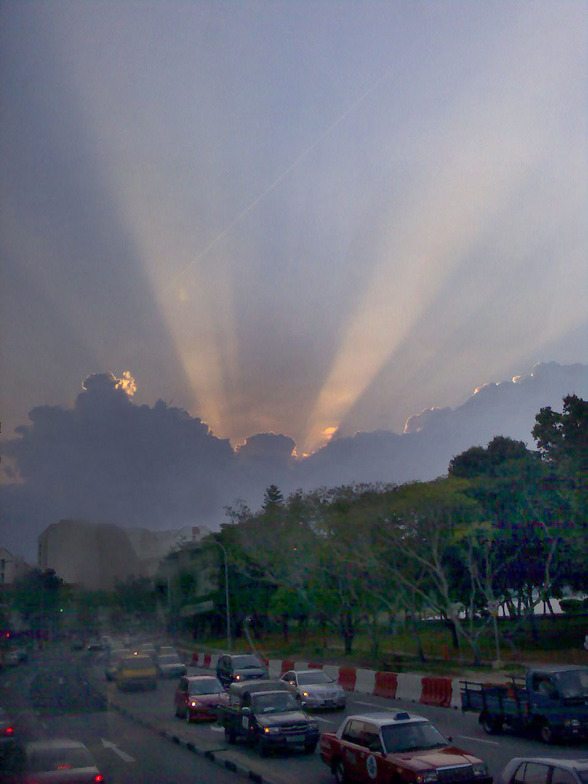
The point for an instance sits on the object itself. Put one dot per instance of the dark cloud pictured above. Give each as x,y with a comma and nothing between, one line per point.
158,467
267,446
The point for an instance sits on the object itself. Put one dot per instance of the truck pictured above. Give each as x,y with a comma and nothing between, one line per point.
266,714
550,701
396,747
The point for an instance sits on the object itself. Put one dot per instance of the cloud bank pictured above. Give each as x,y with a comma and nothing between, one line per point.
108,459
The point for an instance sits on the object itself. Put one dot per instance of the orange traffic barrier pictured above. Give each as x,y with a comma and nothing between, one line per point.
287,664
206,662
195,659
436,691
386,685
314,666
347,678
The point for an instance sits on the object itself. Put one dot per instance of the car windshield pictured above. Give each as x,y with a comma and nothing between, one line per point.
272,702
308,678
573,683
59,759
246,662
211,686
411,737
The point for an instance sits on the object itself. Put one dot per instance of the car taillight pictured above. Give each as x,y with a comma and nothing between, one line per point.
98,779
9,731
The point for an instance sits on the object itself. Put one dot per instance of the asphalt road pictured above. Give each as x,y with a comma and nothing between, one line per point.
51,696
65,693
463,728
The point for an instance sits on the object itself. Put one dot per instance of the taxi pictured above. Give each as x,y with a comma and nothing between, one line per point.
136,671
397,746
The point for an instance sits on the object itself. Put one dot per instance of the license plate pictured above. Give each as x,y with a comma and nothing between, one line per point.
296,739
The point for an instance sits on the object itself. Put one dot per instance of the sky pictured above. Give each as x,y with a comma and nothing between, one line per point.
308,219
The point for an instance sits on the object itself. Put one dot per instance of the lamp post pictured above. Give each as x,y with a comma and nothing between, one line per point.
227,608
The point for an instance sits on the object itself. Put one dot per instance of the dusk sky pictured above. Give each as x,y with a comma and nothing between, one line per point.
291,217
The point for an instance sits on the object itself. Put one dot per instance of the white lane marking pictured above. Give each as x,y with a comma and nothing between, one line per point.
479,740
108,744
216,728
326,721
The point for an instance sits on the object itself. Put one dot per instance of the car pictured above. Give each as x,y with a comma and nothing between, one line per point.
6,728
167,649
137,671
239,667
199,697
147,648
316,689
389,746
267,714
545,770
59,761
169,665
114,657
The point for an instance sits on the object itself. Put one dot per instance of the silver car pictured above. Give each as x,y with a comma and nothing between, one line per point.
169,665
545,770
59,761
315,689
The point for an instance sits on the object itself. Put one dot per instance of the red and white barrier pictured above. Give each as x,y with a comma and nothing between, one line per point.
426,690
436,691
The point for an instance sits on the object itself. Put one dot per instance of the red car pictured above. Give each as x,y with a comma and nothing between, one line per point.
198,698
376,748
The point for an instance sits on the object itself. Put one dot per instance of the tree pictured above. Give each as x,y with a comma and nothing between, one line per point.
37,596
272,498
562,439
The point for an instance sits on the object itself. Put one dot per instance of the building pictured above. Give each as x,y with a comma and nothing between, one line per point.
11,567
98,555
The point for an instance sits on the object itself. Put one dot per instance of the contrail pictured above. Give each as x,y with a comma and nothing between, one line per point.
278,179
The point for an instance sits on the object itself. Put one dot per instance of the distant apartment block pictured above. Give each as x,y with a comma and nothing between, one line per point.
98,555
11,567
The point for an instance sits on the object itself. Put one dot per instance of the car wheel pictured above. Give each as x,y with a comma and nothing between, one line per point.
188,717
546,733
230,736
310,748
262,747
340,775
491,726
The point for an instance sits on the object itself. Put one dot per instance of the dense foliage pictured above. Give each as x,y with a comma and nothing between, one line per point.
504,531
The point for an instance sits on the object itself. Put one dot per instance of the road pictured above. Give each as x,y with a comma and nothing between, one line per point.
51,696
57,694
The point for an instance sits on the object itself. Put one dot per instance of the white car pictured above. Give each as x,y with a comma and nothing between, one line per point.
169,665
315,689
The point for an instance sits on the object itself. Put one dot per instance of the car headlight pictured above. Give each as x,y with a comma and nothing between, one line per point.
271,730
480,769
571,723
427,777
305,694
237,677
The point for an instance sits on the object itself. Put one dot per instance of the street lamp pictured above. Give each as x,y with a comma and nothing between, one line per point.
228,611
